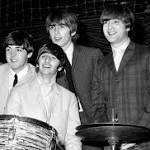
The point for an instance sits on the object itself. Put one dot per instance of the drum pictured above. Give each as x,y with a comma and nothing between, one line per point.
22,133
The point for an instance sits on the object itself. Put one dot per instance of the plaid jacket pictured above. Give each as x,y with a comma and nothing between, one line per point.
128,90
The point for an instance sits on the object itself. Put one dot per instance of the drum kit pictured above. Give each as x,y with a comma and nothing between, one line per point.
114,134
23,133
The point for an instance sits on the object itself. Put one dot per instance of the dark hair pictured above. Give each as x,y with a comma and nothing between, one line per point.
19,38
55,50
65,16
118,12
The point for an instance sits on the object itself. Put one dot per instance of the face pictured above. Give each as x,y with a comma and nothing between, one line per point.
17,57
48,64
115,31
60,34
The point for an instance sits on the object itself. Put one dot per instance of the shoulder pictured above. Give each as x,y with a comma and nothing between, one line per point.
28,85
4,67
142,49
31,67
86,49
65,92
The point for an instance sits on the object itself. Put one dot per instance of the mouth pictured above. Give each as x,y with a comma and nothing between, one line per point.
111,33
13,60
57,38
46,66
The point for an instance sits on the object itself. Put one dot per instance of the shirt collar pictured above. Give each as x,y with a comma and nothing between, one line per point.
20,74
121,48
69,52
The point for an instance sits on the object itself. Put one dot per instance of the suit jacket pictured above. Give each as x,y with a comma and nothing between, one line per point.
4,82
127,90
84,67
61,110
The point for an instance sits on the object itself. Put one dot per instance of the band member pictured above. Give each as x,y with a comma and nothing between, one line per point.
18,47
124,74
43,99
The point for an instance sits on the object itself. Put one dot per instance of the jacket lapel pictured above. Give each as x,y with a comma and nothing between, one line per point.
75,56
110,62
127,56
30,73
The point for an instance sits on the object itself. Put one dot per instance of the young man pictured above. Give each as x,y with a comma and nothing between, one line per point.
83,61
124,74
43,99
18,47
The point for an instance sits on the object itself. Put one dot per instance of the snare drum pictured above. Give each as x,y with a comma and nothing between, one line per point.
22,133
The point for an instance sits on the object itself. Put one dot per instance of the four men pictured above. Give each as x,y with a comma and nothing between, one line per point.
118,83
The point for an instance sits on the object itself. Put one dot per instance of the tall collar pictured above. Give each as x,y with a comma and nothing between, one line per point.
69,52
20,74
121,48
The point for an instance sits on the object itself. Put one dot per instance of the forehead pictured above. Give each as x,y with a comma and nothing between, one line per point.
47,54
14,46
56,21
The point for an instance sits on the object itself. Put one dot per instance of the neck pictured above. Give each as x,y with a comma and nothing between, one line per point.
65,48
116,45
46,79
20,69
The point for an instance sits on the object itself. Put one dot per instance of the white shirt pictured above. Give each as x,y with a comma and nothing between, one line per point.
20,75
69,52
118,53
47,94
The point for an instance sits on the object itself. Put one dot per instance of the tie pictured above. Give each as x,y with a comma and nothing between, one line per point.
15,80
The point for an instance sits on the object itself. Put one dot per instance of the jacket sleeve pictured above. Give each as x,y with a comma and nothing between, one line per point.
145,119
98,100
73,142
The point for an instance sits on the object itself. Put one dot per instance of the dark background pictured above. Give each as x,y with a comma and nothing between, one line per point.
30,15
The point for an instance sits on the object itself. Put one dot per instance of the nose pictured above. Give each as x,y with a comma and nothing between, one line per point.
56,29
47,59
13,52
109,24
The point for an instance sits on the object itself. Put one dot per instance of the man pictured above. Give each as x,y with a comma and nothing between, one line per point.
43,99
18,47
124,74
62,28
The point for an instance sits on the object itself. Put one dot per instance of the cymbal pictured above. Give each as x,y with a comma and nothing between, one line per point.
113,132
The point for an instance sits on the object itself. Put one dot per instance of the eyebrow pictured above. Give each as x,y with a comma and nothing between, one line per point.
15,46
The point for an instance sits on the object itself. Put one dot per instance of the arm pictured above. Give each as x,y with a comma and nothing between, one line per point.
98,98
145,120
72,142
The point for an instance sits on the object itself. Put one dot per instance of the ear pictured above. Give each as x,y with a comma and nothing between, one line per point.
29,55
59,68
73,33
37,65
127,29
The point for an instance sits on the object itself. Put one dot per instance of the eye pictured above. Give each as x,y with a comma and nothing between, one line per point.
8,49
51,27
62,25
19,49
53,57
105,22
43,56
116,21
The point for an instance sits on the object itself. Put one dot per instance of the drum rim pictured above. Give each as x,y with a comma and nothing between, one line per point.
28,120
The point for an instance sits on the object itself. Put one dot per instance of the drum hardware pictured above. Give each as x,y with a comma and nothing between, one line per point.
113,134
